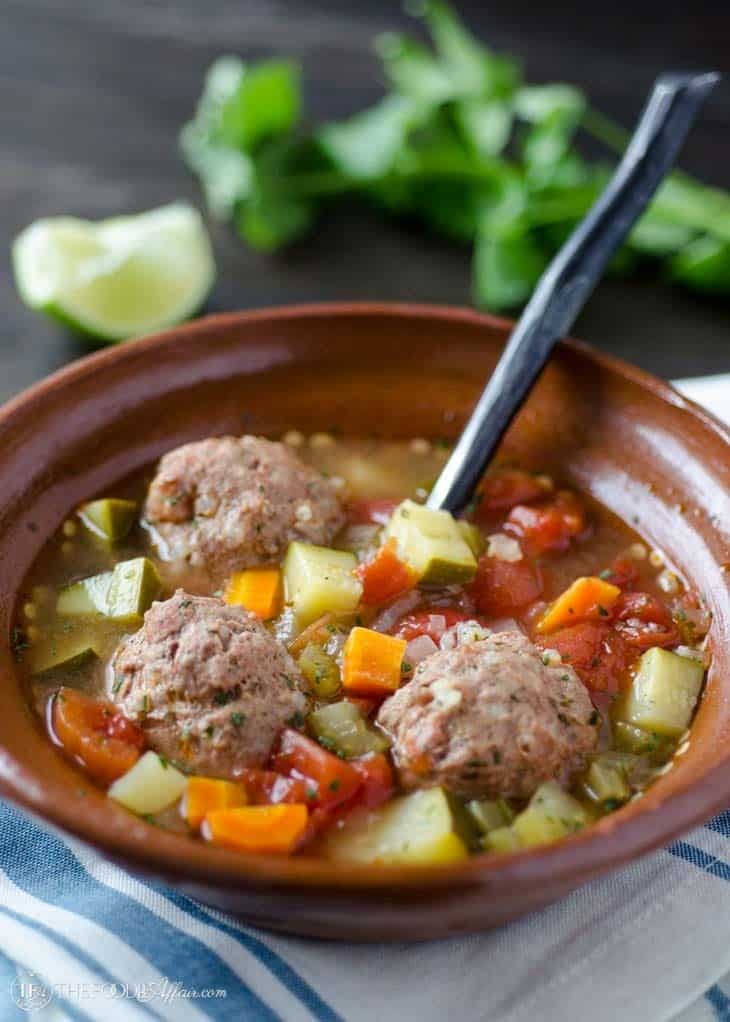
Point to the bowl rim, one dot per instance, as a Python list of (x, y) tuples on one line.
[(608, 843)]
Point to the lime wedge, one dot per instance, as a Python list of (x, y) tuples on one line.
[(117, 278)]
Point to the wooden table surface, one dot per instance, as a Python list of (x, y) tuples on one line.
[(95, 91)]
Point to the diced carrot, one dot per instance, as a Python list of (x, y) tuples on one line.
[(336, 781), (587, 599), (273, 829), (385, 576), (372, 662), (95, 733), (258, 590), (203, 795)]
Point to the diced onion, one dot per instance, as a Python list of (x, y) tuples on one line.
[(436, 625), (503, 548), (419, 648), (388, 617)]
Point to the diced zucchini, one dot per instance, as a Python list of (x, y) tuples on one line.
[(65, 651), (473, 537), (502, 839), (664, 692), (86, 598), (431, 543), (342, 728), (629, 738), (110, 518), (134, 586), (318, 579), (605, 783), (489, 815), (416, 829), (320, 671), (150, 786), (551, 814)]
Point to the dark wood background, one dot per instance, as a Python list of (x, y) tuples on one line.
[(93, 93)]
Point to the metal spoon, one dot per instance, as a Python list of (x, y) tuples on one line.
[(571, 277)]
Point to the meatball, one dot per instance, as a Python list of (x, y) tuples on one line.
[(209, 685), (228, 503), (489, 718)]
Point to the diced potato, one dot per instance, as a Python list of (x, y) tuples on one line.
[(502, 839), (551, 814), (133, 587), (432, 544), (320, 671), (664, 692), (489, 815), (342, 728), (629, 738), (473, 537), (86, 598), (416, 829), (66, 651), (150, 786), (110, 517), (318, 580)]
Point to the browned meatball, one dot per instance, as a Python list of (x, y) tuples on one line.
[(489, 718), (228, 503), (209, 685)]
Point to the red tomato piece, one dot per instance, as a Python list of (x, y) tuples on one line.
[(266, 787), (377, 779), (502, 588), (548, 527), (598, 654), (336, 780), (504, 488), (95, 733), (385, 576), (371, 512), (622, 573), (644, 620), (421, 623)]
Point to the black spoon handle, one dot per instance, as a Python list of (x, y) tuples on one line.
[(567, 283)]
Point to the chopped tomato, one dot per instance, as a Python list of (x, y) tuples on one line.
[(548, 527), (595, 651), (644, 620), (266, 787), (622, 573), (433, 622), (336, 780), (385, 576), (94, 732), (371, 512), (501, 588), (377, 779), (504, 488)]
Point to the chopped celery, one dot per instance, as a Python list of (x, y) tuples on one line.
[(150, 786), (473, 537), (664, 692), (502, 839), (605, 783), (318, 580), (416, 829), (342, 728), (110, 518), (134, 586), (320, 671), (431, 543), (86, 598), (629, 738), (551, 814), (66, 651), (489, 815)]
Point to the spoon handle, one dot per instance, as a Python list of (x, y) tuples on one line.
[(570, 278)]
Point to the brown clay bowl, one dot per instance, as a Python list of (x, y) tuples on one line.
[(645, 452)]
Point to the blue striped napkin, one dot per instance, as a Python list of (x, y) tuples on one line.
[(82, 939)]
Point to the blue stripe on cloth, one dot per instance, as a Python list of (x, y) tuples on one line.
[(54, 875), (703, 860), (719, 1002), (720, 824), (275, 963), (70, 1007), (9, 1011)]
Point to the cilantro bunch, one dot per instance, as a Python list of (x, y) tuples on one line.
[(460, 143)]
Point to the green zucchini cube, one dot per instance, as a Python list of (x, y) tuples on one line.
[(431, 543), (664, 692)]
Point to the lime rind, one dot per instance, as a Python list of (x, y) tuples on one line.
[(117, 278)]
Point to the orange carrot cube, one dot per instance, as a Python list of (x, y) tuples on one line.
[(275, 829), (259, 590), (372, 662)]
